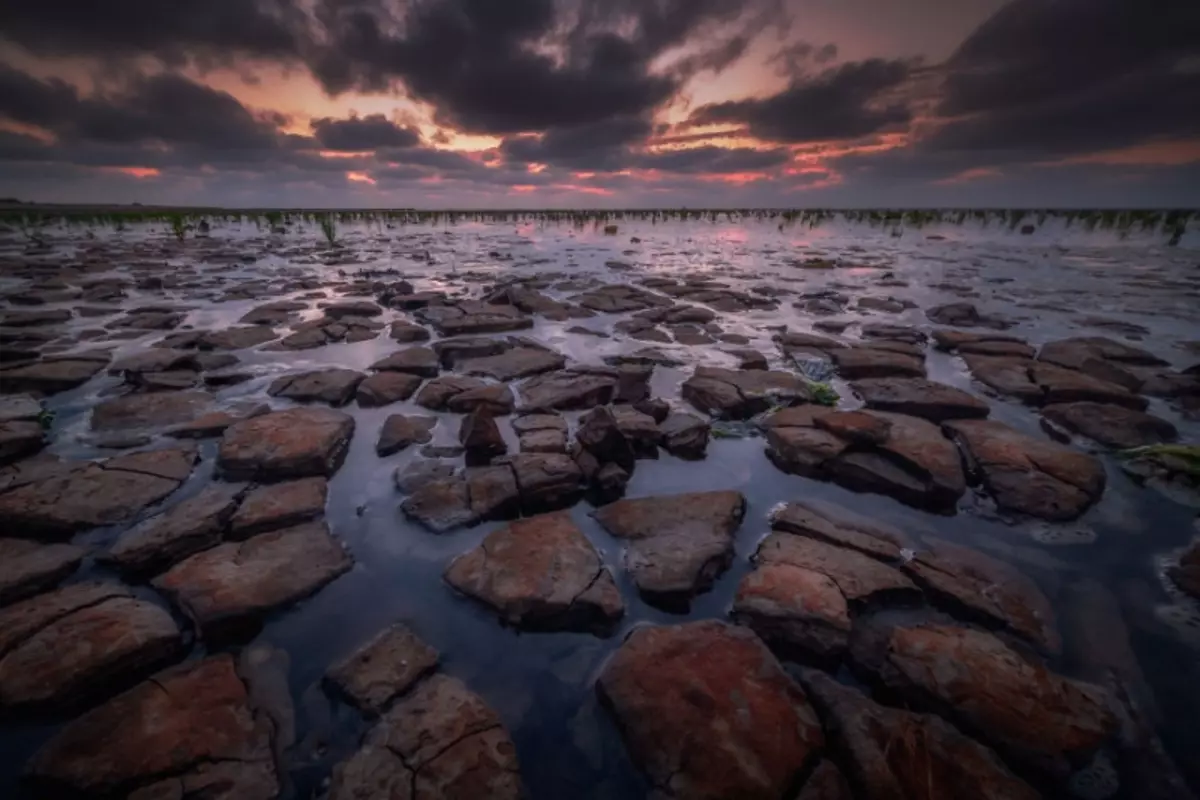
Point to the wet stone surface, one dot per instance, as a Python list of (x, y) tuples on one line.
[(523, 508)]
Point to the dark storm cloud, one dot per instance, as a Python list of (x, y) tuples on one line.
[(713, 160), (522, 65), (600, 146), (843, 102), (1047, 78), (173, 30), (362, 133)]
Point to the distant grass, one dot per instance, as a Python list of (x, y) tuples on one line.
[(328, 229)]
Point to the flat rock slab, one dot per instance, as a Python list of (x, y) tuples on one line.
[(685, 436), (965, 315), (420, 361), (1031, 476), (798, 612), (296, 443), (855, 363), (192, 722), (19, 408), (442, 504), (437, 394), (333, 386), (1112, 426), (495, 399), (77, 496), (904, 457), (740, 394), (1033, 715), (919, 397), (48, 377), (568, 389), (82, 647), (400, 431), (519, 362), (279, 505), (19, 439), (707, 712), (153, 410), (858, 577), (234, 582), (27, 567), (895, 753), (441, 741), (1006, 375), (191, 526), (385, 388), (840, 526), (678, 544), (1062, 385), (540, 573), (383, 669)]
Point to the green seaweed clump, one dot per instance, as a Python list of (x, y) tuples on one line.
[(823, 394)]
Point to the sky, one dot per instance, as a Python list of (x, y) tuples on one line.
[(601, 103)]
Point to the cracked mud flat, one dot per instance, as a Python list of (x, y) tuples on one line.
[(285, 482)]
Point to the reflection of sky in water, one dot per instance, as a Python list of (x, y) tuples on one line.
[(542, 683)]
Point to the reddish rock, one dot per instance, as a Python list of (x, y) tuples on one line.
[(400, 431), (420, 361), (678, 544), (569, 389), (481, 438), (52, 375), (81, 648), (27, 568), (1037, 717), (799, 612), (437, 394), (1006, 375), (546, 481), (1030, 476), (441, 741), (541, 433), (899, 754), (333, 386), (854, 363), (860, 578), (740, 394), (229, 584), (707, 712), (296, 443), (518, 362), (918, 397), (540, 573), (840, 526), (191, 526), (685, 436), (385, 388), (153, 410), (496, 399), (1060, 385), (279, 505), (382, 669), (191, 722), (1111, 426)]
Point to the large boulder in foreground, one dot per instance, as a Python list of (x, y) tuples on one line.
[(707, 712), (296, 443), (1036, 717), (227, 586), (441, 741), (1030, 476), (678, 544), (189, 732), (540, 573), (900, 754)]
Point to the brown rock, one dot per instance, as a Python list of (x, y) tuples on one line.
[(569, 389), (51, 376), (79, 654), (406, 332), (191, 526), (1006, 375), (519, 362), (860, 578), (442, 741), (679, 544), (27, 568), (333, 386), (384, 388), (225, 586), (964, 315), (1111, 426), (296, 443), (481, 438), (153, 410), (798, 612), (541, 433), (440, 505), (540, 573), (840, 526), (400, 431), (854, 363), (918, 397), (546, 481), (190, 722), (1060, 385), (685, 436), (899, 754), (436, 394), (420, 361), (19, 439), (382, 669), (1030, 476), (279, 505), (496, 400), (740, 394), (707, 712)]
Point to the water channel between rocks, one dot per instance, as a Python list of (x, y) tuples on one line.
[(1104, 573)]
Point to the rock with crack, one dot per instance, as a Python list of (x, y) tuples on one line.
[(282, 445), (400, 431), (678, 544), (28, 567), (904, 457), (540, 573), (439, 392), (279, 505), (419, 361), (541, 433), (893, 753), (854, 363), (444, 503), (1062, 385), (333, 386), (225, 588), (546, 481), (188, 732), (1027, 475), (685, 436), (577, 388), (494, 399), (740, 394), (1112, 426), (469, 318), (518, 362), (440, 741), (75, 496), (196, 524), (385, 388), (214, 423), (979, 587), (834, 524), (481, 438), (382, 669), (153, 410), (1006, 375), (64, 648), (640, 430), (707, 712), (1036, 718), (619, 298), (919, 397)]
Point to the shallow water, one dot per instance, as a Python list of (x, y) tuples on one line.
[(541, 684)]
